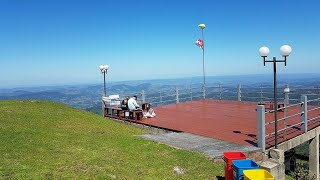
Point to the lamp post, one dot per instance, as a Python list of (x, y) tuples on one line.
[(104, 69), (285, 51), (202, 26)]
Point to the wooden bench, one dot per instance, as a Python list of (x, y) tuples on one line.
[(269, 105), (119, 113), (133, 115), (107, 111)]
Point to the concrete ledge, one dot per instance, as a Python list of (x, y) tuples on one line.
[(213, 148), (150, 129), (276, 169), (294, 142)]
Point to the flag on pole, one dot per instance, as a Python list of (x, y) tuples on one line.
[(199, 43)]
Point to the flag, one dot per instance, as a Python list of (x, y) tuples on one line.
[(199, 43)]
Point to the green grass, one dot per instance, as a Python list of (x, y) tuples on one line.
[(46, 140)]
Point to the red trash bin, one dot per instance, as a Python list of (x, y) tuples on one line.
[(228, 157)]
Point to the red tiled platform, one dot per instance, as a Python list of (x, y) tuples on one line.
[(231, 121)]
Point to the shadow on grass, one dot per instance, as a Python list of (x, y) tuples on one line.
[(220, 178)]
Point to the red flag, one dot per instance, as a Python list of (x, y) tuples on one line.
[(199, 43)]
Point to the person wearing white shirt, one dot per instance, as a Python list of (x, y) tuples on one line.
[(132, 103)]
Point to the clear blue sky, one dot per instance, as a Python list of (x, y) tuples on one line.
[(48, 42)]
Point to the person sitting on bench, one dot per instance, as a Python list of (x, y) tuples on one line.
[(124, 104), (132, 104)]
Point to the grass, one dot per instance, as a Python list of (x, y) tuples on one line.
[(46, 140)]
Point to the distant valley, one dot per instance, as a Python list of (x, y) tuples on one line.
[(88, 97)]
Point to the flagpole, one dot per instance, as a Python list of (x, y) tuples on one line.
[(204, 73), (202, 26)]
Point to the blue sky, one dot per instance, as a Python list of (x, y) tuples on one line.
[(49, 42)]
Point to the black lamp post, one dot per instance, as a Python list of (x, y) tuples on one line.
[(264, 52), (104, 69)]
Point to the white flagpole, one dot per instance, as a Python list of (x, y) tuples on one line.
[(202, 26)]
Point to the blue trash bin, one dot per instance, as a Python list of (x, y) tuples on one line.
[(240, 165)]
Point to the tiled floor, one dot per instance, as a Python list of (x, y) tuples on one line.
[(231, 121)]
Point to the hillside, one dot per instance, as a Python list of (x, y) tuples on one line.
[(46, 140)]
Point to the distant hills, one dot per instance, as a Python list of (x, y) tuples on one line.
[(89, 96)]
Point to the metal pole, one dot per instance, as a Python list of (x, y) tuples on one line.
[(318, 94), (104, 81), (261, 95), (177, 95), (191, 92), (285, 118), (161, 97), (220, 92), (286, 94), (275, 101), (239, 92), (204, 74), (304, 111), (103, 108), (143, 96)]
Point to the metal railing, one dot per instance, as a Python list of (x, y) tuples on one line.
[(173, 95), (299, 109)]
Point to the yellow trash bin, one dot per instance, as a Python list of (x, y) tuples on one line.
[(257, 174)]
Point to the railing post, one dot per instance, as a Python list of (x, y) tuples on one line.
[(143, 96), (239, 92), (220, 91), (261, 117), (191, 93), (318, 94), (286, 93), (304, 113), (261, 93), (103, 108), (177, 95), (285, 118), (204, 91), (161, 96)]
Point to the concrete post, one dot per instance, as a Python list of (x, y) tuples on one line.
[(239, 92), (143, 97), (304, 115), (275, 164), (314, 157), (261, 117), (177, 95)]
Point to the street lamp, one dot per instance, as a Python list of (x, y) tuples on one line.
[(104, 69), (285, 51), (202, 26)]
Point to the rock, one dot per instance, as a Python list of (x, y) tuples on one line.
[(178, 170)]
